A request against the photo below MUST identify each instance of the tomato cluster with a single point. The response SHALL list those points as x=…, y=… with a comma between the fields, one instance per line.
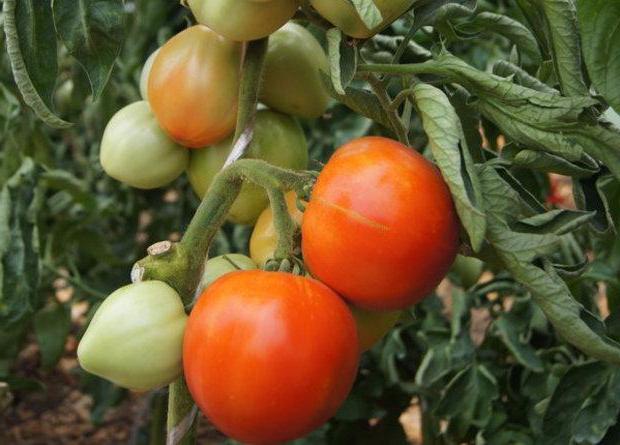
x=269, y=356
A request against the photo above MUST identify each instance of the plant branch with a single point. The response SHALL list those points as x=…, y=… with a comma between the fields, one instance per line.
x=283, y=223
x=386, y=102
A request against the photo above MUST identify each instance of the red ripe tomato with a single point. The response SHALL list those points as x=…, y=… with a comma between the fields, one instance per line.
x=380, y=228
x=269, y=356
x=193, y=86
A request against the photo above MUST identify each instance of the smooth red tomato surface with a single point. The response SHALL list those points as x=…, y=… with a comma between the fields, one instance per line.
x=380, y=228
x=193, y=86
x=269, y=356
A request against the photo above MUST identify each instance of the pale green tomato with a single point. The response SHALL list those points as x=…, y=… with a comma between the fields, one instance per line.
x=278, y=139
x=144, y=76
x=223, y=264
x=137, y=152
x=243, y=20
x=292, y=80
x=135, y=339
x=343, y=15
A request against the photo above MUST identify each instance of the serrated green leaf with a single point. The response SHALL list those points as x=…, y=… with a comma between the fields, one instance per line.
x=599, y=413
x=508, y=27
x=599, y=28
x=92, y=31
x=510, y=329
x=342, y=60
x=33, y=55
x=550, y=163
x=512, y=72
x=574, y=388
x=469, y=396
x=19, y=245
x=518, y=251
x=449, y=147
x=561, y=27
x=557, y=222
x=361, y=101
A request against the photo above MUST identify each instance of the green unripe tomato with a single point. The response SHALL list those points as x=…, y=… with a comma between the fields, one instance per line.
x=278, y=139
x=144, y=76
x=137, y=152
x=373, y=325
x=243, y=20
x=223, y=264
x=344, y=16
x=292, y=81
x=468, y=270
x=135, y=339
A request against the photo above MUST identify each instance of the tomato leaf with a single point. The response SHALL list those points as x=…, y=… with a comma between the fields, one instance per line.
x=92, y=31
x=342, y=60
x=19, y=245
x=518, y=251
x=469, y=397
x=574, y=388
x=561, y=29
x=32, y=49
x=599, y=26
x=52, y=325
x=514, y=73
x=361, y=101
x=508, y=27
x=551, y=163
x=368, y=12
x=449, y=147
x=557, y=221
x=512, y=328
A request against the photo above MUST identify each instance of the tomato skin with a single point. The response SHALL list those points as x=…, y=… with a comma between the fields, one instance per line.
x=278, y=139
x=380, y=228
x=193, y=86
x=135, y=151
x=468, y=269
x=243, y=20
x=343, y=15
x=264, y=239
x=373, y=325
x=292, y=80
x=223, y=264
x=145, y=74
x=268, y=356
x=146, y=316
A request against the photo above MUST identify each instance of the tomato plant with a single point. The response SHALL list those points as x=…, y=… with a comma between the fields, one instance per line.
x=382, y=240
x=506, y=115
x=194, y=65
x=292, y=80
x=344, y=15
x=243, y=19
x=135, y=337
x=295, y=335
x=135, y=151
x=278, y=139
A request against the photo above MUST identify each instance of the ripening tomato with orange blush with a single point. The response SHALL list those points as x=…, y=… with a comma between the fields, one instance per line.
x=193, y=86
x=269, y=356
x=380, y=228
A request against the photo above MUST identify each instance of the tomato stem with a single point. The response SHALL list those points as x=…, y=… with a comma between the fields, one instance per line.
x=283, y=223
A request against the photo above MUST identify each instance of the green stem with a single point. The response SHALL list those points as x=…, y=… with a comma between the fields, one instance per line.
x=283, y=223
x=386, y=102
x=182, y=414
x=157, y=426
x=249, y=87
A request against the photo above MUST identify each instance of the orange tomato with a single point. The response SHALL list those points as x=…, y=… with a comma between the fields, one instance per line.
x=380, y=228
x=269, y=356
x=264, y=239
x=193, y=86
